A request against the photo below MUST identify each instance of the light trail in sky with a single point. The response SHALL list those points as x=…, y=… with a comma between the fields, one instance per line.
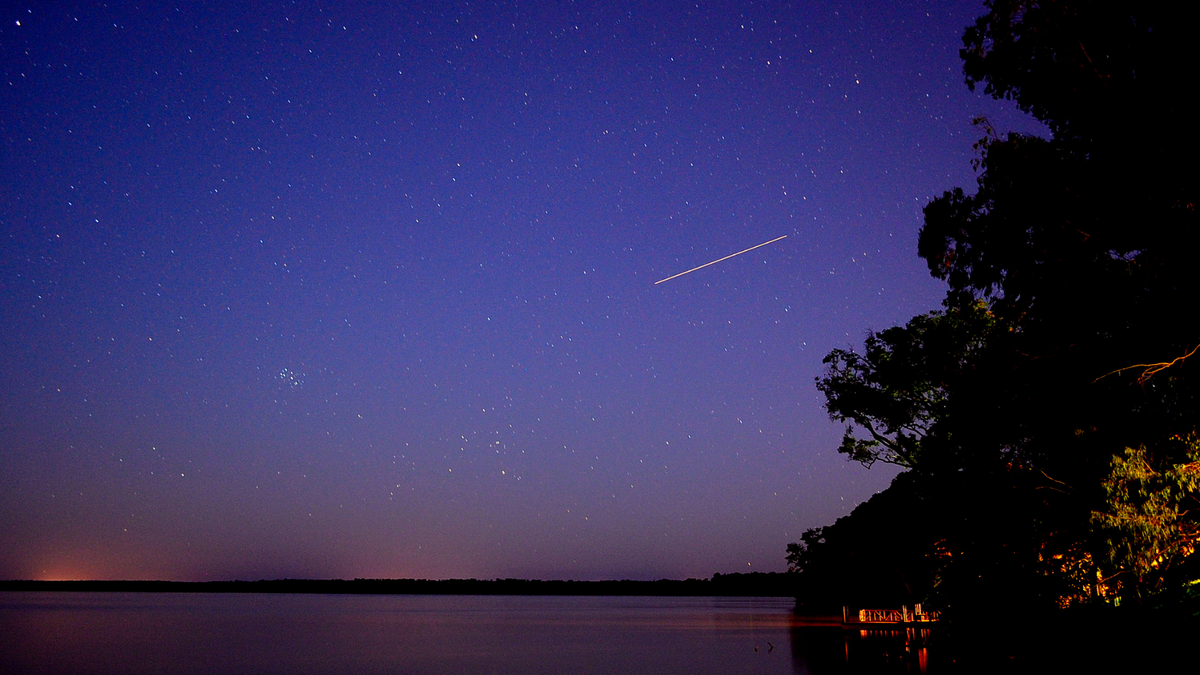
x=731, y=255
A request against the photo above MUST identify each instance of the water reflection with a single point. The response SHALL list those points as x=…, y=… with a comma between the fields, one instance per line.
x=822, y=650
x=103, y=633
x=154, y=633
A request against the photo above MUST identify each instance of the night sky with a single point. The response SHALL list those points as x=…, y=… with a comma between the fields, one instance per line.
x=313, y=290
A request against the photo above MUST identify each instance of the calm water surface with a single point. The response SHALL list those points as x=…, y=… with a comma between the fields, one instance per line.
x=250, y=633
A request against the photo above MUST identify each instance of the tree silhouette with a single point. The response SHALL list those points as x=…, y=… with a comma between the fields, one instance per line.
x=1068, y=334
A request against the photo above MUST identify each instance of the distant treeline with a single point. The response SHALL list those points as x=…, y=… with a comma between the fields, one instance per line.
x=730, y=585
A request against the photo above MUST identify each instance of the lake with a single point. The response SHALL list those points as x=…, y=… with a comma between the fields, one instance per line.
x=179, y=633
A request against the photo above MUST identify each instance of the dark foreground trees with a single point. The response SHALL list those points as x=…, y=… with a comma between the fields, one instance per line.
x=1049, y=416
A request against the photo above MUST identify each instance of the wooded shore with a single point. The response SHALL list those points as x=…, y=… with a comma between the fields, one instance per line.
x=763, y=584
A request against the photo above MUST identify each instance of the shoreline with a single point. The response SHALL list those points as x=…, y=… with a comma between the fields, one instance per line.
x=721, y=585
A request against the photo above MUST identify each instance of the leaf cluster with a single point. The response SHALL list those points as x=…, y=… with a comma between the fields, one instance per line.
x=1145, y=522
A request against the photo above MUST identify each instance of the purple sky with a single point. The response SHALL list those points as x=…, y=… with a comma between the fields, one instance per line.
x=334, y=290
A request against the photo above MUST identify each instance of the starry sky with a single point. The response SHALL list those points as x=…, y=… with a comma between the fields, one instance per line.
x=315, y=289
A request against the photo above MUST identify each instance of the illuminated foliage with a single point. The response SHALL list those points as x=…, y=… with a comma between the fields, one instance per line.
x=1150, y=522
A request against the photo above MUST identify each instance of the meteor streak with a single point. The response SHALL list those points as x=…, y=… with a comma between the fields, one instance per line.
x=731, y=255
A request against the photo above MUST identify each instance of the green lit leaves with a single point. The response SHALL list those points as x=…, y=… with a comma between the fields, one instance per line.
x=1149, y=522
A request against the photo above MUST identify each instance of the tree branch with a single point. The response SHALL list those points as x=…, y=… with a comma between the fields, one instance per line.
x=1151, y=369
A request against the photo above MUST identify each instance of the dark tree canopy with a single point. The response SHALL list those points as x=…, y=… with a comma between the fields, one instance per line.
x=1085, y=67
x=1110, y=199
x=897, y=390
x=1057, y=383
x=871, y=557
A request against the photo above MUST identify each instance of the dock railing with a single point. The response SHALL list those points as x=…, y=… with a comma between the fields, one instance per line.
x=892, y=616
